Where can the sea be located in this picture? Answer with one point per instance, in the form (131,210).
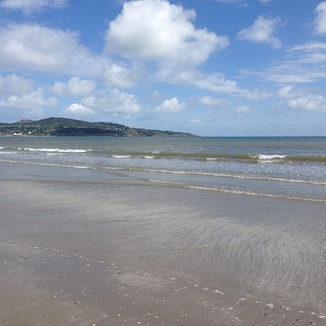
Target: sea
(281,167)
(255,207)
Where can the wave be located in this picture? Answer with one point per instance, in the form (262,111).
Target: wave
(54,150)
(40,150)
(253,158)
(250,158)
(269,158)
(51,164)
(175,172)
(235,192)
(245,177)
(121,156)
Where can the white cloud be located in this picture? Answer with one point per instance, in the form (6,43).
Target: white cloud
(320,21)
(255,95)
(115,75)
(215,83)
(79,110)
(33,100)
(300,100)
(159,31)
(212,101)
(309,53)
(286,92)
(29,6)
(310,102)
(303,64)
(31,46)
(113,101)
(74,87)
(172,105)
(292,73)
(262,32)
(15,85)
(160,39)
(172,42)
(243,109)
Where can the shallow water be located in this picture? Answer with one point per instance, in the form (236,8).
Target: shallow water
(257,222)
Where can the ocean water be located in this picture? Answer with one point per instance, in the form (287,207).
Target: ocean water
(293,168)
(251,209)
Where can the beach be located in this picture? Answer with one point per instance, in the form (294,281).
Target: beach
(107,247)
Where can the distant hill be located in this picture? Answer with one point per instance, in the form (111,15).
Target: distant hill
(70,127)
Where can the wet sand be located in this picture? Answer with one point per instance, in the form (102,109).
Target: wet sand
(69,257)
(46,287)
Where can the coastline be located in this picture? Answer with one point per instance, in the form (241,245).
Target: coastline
(50,287)
(85,253)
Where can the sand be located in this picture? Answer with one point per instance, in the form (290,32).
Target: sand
(57,268)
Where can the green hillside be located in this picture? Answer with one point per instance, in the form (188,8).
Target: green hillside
(70,127)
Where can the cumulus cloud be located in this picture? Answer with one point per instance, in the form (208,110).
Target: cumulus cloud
(320,21)
(286,92)
(172,105)
(79,110)
(114,102)
(168,38)
(300,100)
(115,75)
(15,85)
(32,100)
(255,94)
(162,32)
(262,32)
(310,102)
(31,46)
(29,6)
(242,111)
(212,101)
(74,87)
(216,83)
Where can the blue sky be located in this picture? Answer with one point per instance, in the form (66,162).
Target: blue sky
(210,67)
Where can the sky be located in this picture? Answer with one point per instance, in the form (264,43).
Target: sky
(208,67)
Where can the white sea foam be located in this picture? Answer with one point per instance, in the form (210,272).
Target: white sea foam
(237,192)
(263,158)
(233,176)
(177,172)
(55,150)
(121,156)
(270,157)
(50,164)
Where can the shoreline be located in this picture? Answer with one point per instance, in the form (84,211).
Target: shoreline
(99,254)
(50,287)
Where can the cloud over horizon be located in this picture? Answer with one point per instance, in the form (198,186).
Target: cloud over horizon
(203,63)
